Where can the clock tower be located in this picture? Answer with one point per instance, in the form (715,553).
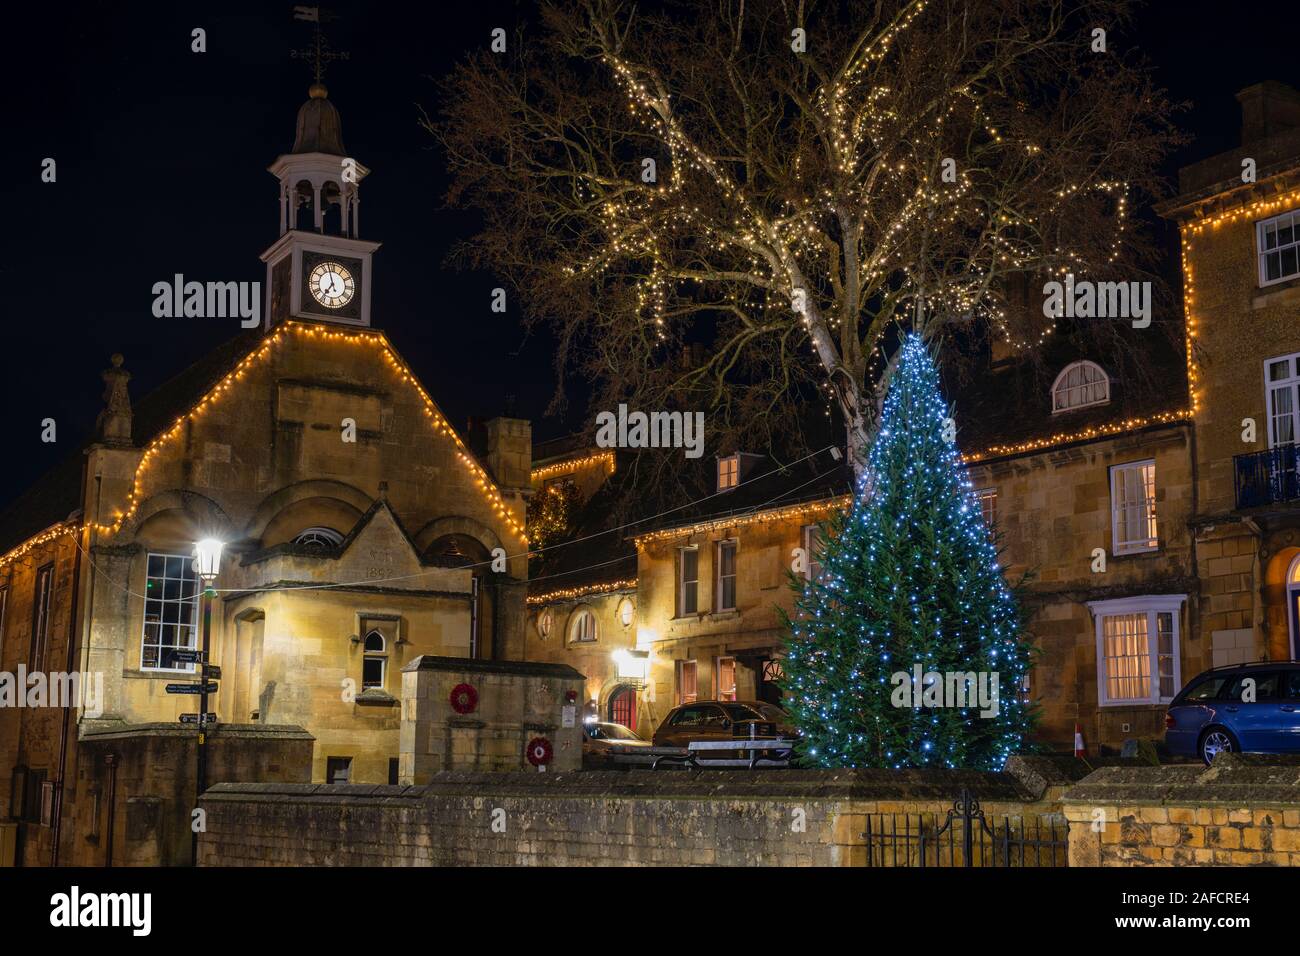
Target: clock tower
(319,269)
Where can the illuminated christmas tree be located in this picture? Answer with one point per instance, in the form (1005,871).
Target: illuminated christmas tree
(910,578)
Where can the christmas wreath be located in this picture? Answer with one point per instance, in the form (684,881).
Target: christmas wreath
(464,699)
(539,751)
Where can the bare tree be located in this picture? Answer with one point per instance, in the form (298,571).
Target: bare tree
(787,181)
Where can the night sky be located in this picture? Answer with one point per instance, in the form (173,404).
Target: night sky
(162,157)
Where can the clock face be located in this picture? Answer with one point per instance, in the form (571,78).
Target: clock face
(331,284)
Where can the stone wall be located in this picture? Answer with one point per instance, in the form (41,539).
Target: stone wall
(153,788)
(1242,811)
(511,704)
(753,818)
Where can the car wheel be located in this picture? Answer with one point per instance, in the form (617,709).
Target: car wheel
(1215,741)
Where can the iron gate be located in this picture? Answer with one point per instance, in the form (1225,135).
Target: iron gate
(965,837)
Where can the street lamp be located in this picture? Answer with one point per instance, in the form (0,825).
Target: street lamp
(207,565)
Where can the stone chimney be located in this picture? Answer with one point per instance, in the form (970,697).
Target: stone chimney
(509,452)
(1267,109)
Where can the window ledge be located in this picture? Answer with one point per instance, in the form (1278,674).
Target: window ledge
(136,673)
(1135,552)
(1285,292)
(723,615)
(376,698)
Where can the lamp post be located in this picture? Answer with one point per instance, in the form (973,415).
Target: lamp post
(207,564)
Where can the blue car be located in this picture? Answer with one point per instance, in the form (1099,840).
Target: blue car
(1240,708)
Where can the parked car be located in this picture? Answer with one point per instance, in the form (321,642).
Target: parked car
(1216,712)
(721,720)
(603,741)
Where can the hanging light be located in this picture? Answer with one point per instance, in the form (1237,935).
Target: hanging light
(207,559)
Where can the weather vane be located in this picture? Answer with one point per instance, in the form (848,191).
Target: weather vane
(320,50)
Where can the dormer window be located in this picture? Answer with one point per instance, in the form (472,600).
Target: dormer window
(319,539)
(728,472)
(1080,385)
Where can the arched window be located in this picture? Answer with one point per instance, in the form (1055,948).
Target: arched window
(583,628)
(375,665)
(1079,385)
(319,539)
(544,621)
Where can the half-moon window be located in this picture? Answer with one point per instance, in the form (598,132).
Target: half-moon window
(319,539)
(1079,385)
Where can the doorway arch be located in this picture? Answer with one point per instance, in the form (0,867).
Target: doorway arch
(1293,605)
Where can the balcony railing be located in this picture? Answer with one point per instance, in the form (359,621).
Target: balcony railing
(1267,477)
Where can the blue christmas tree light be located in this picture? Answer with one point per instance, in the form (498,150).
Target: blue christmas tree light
(910,576)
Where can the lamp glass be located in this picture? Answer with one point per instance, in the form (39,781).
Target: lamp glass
(207,558)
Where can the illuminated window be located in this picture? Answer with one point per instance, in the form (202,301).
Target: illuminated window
(1080,385)
(1133,507)
(544,622)
(171,611)
(1138,659)
(583,628)
(726,576)
(687,688)
(728,472)
(374,665)
(688,581)
(1279,248)
(726,678)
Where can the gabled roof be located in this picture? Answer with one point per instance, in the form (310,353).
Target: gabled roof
(57,493)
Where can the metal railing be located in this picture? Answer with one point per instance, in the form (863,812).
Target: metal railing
(1267,477)
(965,838)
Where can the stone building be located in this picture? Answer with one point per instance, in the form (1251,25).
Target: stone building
(359,532)
(1239,217)
(1171,457)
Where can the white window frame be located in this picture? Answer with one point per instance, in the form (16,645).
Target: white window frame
(1135,545)
(1261,228)
(728,467)
(194,627)
(1290,383)
(682,581)
(718,575)
(1057,387)
(1151,605)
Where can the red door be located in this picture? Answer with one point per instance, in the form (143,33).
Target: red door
(622,707)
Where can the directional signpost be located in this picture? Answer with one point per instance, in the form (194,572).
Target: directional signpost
(192,688)
(205,720)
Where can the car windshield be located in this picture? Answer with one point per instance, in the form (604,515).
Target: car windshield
(741,712)
(1206,689)
(772,712)
(619,732)
(611,732)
